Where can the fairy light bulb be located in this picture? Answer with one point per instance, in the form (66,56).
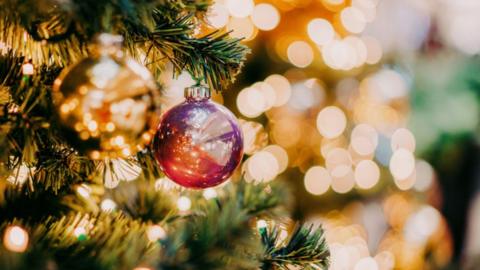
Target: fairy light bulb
(155,233)
(27,69)
(108,205)
(210,193)
(261,224)
(80,233)
(184,203)
(15,239)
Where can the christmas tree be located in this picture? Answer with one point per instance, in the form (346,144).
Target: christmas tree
(90,195)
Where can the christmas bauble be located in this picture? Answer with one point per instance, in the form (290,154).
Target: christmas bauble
(198,143)
(107,103)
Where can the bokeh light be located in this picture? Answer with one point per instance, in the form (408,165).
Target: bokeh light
(317,180)
(331,122)
(265,17)
(300,54)
(320,31)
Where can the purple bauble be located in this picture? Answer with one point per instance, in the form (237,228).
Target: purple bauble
(198,143)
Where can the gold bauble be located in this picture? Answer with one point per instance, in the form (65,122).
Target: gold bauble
(107,104)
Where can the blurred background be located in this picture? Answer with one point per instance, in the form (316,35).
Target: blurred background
(369,109)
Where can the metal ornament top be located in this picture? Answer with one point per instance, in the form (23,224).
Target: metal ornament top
(197,93)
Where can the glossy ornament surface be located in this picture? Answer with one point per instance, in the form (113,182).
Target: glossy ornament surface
(198,143)
(107,103)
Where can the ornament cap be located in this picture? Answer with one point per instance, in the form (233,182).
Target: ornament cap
(197,93)
(108,44)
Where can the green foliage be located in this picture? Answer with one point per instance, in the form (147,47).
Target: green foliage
(59,32)
(306,248)
(216,233)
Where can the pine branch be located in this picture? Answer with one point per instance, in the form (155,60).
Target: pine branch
(166,33)
(306,248)
(108,242)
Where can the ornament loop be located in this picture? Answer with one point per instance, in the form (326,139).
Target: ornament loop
(197,92)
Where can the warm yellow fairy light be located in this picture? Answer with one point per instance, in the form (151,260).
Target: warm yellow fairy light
(251,102)
(367,174)
(27,69)
(265,17)
(210,193)
(79,231)
(15,239)
(367,263)
(403,138)
(317,180)
(407,183)
(364,139)
(108,205)
(155,233)
(241,28)
(184,203)
(280,155)
(342,179)
(263,166)
(331,122)
(335,54)
(374,50)
(300,54)
(239,8)
(320,31)
(359,50)
(262,224)
(282,88)
(402,164)
(328,145)
(84,190)
(424,175)
(268,94)
(217,15)
(337,156)
(353,20)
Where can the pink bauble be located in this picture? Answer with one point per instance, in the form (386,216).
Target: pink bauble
(198,143)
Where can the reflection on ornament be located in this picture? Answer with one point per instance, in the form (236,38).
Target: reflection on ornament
(198,143)
(107,103)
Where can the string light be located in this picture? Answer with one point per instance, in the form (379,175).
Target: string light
(108,205)
(320,31)
(210,193)
(353,20)
(403,138)
(217,15)
(241,28)
(15,239)
(184,203)
(265,17)
(402,164)
(80,233)
(282,88)
(331,122)
(261,224)
(239,8)
(155,233)
(84,190)
(28,69)
(263,166)
(317,180)
(367,174)
(300,54)
(280,155)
